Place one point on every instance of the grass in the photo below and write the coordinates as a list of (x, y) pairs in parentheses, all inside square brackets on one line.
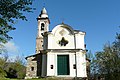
[(48, 78), (25, 79), (30, 79), (45, 79)]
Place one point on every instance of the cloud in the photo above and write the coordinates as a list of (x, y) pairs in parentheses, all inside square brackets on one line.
[(11, 47), (12, 50)]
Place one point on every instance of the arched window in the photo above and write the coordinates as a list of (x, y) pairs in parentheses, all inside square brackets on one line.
[(42, 26)]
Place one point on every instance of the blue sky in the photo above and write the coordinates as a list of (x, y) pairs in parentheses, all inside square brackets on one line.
[(98, 18)]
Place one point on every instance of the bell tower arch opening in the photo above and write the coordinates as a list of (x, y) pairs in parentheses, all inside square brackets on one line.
[(42, 26)]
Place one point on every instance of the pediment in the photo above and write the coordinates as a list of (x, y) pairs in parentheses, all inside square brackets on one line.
[(63, 30)]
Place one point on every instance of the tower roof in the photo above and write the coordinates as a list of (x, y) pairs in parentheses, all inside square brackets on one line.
[(43, 13)]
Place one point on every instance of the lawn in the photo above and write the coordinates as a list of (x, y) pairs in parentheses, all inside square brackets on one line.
[(26, 79), (30, 79)]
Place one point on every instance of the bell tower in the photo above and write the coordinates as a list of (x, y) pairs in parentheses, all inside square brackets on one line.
[(43, 26)]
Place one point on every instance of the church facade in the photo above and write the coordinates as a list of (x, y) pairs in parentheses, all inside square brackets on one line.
[(59, 53)]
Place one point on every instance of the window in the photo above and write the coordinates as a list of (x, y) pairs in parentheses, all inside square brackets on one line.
[(32, 68), (84, 45), (51, 66), (74, 66), (63, 42), (42, 26), (42, 34)]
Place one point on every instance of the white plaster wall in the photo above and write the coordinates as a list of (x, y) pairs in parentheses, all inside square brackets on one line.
[(39, 27), (50, 61), (81, 64), (79, 41), (72, 62), (56, 36), (50, 41), (78, 57), (46, 28), (73, 40), (53, 42)]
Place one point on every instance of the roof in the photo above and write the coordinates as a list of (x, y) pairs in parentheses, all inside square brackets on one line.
[(32, 56)]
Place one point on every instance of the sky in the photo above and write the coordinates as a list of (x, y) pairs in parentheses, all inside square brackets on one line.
[(98, 18)]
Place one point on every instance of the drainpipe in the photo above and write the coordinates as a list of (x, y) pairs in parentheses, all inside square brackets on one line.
[(75, 57)]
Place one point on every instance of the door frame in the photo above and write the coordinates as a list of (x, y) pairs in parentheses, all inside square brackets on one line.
[(68, 62)]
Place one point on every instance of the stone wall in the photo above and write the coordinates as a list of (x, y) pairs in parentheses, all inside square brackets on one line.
[(34, 66), (31, 68)]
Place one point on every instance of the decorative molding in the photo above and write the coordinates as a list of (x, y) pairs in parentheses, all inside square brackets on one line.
[(62, 32)]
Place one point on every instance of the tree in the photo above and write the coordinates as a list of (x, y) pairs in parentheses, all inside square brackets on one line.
[(107, 62), (2, 49), (12, 69), (3, 65), (20, 67), (89, 57), (10, 11), (2, 73)]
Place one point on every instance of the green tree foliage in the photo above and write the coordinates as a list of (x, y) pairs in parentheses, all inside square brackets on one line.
[(2, 49), (10, 11), (10, 69), (89, 57), (3, 65), (2, 73), (107, 62), (21, 69)]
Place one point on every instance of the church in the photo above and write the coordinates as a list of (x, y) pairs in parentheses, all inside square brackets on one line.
[(59, 53)]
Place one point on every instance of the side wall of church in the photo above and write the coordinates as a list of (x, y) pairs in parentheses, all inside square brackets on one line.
[(31, 70), (34, 66)]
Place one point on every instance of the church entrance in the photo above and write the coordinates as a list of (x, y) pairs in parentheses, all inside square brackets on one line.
[(63, 65)]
